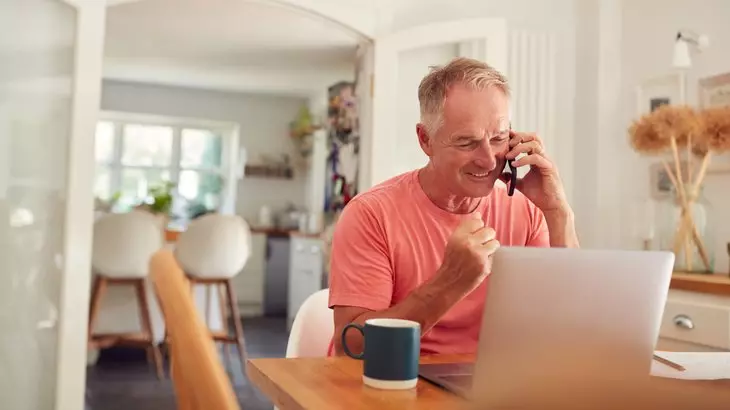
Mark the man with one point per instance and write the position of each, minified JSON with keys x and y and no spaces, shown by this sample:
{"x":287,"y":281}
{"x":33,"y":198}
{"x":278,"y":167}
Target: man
{"x":419,"y":245}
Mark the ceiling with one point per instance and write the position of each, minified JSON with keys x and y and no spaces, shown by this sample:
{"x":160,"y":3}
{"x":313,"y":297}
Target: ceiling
{"x":220,"y":36}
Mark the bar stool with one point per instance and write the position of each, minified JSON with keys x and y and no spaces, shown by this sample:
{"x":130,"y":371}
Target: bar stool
{"x":212,"y":251}
{"x":122,"y":247}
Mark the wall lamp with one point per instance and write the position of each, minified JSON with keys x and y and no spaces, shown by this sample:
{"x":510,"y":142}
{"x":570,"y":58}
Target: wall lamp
{"x":684,"y":39}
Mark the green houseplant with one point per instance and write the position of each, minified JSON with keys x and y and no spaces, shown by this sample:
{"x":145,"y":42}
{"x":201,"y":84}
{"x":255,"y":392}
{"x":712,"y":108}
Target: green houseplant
{"x":160,"y":198}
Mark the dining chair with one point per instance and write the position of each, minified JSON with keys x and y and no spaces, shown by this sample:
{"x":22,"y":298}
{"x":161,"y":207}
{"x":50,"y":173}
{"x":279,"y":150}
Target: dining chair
{"x":122,"y":247}
{"x":198,"y":376}
{"x":212,"y":251}
{"x":312,"y":328}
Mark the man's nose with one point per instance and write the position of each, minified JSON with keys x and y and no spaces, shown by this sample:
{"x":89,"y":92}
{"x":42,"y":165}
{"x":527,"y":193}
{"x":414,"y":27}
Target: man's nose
{"x":485,"y":156}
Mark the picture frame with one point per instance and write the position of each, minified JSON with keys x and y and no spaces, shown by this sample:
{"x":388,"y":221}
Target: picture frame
{"x":661,"y":184}
{"x":714,"y":91}
{"x":663,"y":89}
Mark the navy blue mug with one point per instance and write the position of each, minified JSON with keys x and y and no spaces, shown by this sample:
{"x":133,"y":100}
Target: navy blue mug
{"x":390,"y":352}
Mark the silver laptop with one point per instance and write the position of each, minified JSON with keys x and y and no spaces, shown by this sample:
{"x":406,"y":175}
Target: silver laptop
{"x":555,"y":315}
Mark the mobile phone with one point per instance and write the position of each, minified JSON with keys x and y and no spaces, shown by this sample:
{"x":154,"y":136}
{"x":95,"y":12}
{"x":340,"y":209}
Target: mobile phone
{"x":512,"y":177}
{"x":512,"y":171}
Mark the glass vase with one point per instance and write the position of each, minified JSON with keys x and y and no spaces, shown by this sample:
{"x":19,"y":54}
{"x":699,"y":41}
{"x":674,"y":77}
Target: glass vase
{"x":688,"y":257}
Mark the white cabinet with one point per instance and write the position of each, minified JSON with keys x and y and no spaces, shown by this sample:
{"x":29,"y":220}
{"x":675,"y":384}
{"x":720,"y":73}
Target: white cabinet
{"x":249,"y":283}
{"x":695,"y":322}
{"x":305,"y":272}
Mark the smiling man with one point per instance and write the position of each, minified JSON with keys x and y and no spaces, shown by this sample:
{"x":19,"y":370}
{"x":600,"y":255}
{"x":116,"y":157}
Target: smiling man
{"x":419,"y":245}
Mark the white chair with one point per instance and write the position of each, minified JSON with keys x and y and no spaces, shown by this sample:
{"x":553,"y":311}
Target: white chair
{"x":312,"y":328}
{"x":122,"y":247}
{"x":212,"y":251}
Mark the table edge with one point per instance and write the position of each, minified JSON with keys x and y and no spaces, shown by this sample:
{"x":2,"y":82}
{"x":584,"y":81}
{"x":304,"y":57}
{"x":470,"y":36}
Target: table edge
{"x":258,"y":378}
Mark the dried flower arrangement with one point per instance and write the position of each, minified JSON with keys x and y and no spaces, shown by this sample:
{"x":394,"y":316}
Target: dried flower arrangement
{"x":671,"y":128}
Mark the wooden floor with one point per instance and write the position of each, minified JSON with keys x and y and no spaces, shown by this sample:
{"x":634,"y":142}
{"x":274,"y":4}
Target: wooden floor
{"x":122,"y":379}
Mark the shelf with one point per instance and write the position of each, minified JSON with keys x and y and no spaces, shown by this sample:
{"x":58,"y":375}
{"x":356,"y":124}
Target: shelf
{"x":263,"y":171}
{"x":715,"y":284}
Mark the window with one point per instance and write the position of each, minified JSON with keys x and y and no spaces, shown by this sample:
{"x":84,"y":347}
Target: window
{"x":135,"y":153}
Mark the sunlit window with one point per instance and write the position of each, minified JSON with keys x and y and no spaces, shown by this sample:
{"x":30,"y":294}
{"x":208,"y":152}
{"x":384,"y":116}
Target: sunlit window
{"x":133,"y":157}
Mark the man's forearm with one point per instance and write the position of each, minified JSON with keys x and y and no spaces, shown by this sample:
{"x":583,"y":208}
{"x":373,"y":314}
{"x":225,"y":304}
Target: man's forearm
{"x":425,"y":305}
{"x":561,"y":225}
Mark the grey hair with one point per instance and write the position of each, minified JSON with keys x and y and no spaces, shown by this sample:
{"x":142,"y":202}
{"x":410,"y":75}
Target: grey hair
{"x":433,"y":87}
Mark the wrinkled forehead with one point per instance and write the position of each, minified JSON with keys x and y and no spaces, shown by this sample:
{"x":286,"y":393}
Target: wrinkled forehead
{"x":489,"y":108}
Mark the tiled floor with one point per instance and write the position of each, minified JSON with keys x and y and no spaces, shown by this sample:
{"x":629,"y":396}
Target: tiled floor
{"x":122,"y":379}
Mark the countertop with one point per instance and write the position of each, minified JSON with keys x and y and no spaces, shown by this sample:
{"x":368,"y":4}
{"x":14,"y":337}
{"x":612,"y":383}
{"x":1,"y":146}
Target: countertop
{"x":172,"y":234}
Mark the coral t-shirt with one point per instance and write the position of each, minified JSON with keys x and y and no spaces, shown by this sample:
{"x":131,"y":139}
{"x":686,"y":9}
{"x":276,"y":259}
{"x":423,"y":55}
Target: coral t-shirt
{"x":391,"y":239}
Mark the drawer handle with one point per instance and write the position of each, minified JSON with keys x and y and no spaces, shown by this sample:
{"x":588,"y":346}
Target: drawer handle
{"x":684,"y":321}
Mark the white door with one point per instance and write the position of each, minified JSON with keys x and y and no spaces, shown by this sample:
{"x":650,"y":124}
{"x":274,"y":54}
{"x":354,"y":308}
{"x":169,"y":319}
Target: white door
{"x":399,"y":62}
{"x":50,"y":67}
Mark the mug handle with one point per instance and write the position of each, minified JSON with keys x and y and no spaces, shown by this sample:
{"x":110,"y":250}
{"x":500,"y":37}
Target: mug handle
{"x":344,"y":340}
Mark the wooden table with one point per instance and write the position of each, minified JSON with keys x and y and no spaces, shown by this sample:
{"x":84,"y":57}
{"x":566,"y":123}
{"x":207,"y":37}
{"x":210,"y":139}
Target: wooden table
{"x":336,"y":383}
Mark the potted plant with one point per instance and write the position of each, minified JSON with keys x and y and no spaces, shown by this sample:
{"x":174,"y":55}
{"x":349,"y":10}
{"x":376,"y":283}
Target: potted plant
{"x":161,"y":198}
{"x":159,"y":202}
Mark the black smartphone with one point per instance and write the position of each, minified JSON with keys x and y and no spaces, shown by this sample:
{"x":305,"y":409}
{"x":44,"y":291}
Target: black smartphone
{"x":512,"y":177}
{"x":512,"y":171}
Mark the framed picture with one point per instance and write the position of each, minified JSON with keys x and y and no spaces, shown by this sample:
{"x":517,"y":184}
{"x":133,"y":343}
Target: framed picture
{"x":661,"y":184}
{"x":660,"y":90}
{"x":714,"y":91}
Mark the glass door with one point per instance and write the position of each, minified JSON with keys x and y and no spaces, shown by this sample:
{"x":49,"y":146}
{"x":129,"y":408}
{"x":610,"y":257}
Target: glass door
{"x":49,"y":92}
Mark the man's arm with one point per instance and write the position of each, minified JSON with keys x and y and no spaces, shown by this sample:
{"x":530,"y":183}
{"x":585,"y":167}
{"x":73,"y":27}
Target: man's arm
{"x":561,"y":227}
{"x":425,"y":305}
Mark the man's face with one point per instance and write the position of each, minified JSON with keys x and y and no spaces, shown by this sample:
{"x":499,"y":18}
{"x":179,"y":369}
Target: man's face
{"x":467,"y":151}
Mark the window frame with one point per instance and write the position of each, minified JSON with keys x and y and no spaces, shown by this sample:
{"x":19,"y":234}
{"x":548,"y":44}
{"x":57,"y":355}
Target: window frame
{"x":230,"y":140}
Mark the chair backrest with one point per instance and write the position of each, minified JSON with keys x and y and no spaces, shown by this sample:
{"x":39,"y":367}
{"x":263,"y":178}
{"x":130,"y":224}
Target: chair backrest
{"x":124,"y":243}
{"x":214,"y":246}
{"x":312,"y":328}
{"x":197,"y":372}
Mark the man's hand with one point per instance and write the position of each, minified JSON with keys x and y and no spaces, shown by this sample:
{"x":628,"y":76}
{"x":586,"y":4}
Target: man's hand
{"x":541,"y":184}
{"x":467,"y":261}
{"x":543,"y":187}
{"x":467,"y":258}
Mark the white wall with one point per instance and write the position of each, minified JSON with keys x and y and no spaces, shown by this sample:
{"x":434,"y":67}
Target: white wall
{"x":648,"y":38}
{"x":597,"y":132}
{"x":264,"y":129}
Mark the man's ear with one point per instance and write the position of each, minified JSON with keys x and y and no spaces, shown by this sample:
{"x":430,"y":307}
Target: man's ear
{"x":424,"y":139}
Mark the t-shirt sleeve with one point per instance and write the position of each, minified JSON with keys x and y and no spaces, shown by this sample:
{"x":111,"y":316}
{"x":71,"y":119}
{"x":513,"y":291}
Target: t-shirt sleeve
{"x":361,"y":272}
{"x":539,"y":235}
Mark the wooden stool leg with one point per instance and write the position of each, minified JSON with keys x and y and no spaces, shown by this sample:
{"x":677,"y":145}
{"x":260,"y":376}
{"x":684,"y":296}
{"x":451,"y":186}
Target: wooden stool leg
{"x":208,"y":292}
{"x":220,"y":288}
{"x":97,"y":293}
{"x":236,"y":316}
{"x":144,"y":312}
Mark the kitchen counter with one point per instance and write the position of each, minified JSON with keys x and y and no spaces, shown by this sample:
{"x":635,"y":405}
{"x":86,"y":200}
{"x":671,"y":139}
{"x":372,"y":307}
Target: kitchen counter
{"x":171,"y":235}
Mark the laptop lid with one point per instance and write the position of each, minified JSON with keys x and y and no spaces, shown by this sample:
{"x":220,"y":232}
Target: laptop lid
{"x":556,"y":317}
